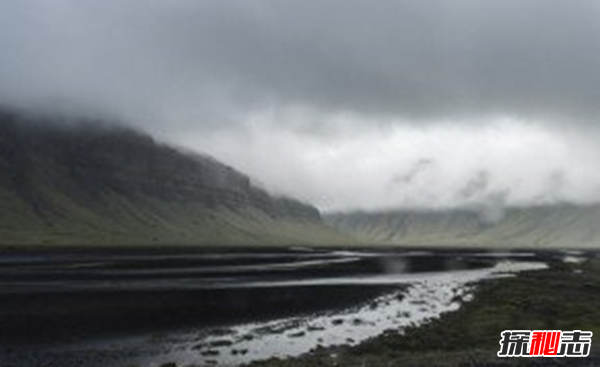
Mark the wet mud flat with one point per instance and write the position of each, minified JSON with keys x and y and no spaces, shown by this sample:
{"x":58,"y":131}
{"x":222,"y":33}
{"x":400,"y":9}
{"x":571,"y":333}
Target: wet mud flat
{"x":65,"y":295}
{"x":130,"y":307}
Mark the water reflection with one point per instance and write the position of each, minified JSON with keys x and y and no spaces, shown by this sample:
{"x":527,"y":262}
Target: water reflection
{"x":228,"y":307}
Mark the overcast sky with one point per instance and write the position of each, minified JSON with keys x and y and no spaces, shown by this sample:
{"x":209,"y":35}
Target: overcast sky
{"x":344,"y":103}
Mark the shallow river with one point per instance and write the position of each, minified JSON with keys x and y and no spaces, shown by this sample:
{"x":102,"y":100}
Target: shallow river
{"x":127,"y":308}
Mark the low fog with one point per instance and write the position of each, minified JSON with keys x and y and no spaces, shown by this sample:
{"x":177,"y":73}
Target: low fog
{"x":503,"y":162}
{"x":346,"y":104}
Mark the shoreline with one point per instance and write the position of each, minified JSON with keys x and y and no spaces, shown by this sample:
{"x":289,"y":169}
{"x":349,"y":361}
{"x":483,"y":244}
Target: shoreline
{"x":563,"y":297}
{"x":404,"y":299}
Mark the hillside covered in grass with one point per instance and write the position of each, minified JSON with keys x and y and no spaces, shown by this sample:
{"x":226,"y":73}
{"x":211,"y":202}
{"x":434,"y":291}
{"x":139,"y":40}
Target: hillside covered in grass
{"x":83,"y":183}
{"x":552,"y":226}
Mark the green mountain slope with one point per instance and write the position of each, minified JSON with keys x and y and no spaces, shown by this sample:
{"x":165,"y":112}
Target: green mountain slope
{"x":85,"y":184}
{"x":557,"y":226}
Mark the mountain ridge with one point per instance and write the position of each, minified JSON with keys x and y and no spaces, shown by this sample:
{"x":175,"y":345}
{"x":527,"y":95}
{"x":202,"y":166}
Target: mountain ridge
{"x":543,"y":226}
{"x":81,"y":183}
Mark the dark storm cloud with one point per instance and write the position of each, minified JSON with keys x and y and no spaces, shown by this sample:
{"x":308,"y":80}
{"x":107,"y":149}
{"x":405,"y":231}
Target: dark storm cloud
{"x":207,"y":62}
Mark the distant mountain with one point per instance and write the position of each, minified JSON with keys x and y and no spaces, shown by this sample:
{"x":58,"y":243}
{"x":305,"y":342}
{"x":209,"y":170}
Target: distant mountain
{"x":553,"y":226}
{"x":87,"y":184}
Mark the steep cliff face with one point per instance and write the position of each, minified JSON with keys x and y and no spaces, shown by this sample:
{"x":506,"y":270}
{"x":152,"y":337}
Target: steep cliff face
{"x":557,"y":226}
{"x":85,"y":183}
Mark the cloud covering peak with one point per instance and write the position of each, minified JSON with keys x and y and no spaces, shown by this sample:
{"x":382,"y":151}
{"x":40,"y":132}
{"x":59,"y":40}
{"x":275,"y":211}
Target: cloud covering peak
{"x":328,"y":74}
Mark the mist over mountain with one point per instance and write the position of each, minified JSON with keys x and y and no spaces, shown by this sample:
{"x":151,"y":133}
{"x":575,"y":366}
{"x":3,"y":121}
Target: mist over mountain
{"x":349,"y":105}
{"x":365,"y":105}
{"x":86,"y":182}
{"x":547,"y":226}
